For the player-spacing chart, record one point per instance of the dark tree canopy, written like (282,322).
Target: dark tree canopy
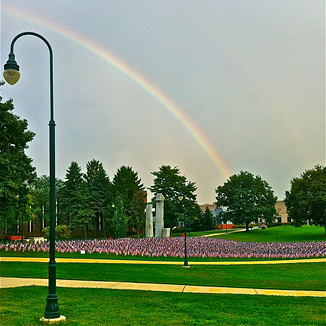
(99,189)
(246,198)
(171,184)
(125,183)
(16,169)
(306,201)
(207,221)
(119,221)
(39,191)
(76,199)
(138,205)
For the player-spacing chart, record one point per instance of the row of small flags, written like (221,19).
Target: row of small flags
(174,247)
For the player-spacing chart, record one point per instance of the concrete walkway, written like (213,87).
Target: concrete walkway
(226,232)
(9,282)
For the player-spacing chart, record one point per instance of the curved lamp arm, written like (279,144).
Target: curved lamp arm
(11,69)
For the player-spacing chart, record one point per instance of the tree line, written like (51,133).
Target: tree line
(94,204)
(91,202)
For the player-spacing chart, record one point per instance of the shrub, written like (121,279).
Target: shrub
(177,229)
(62,232)
(181,230)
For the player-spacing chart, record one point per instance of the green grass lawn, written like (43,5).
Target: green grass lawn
(25,306)
(84,307)
(286,233)
(95,255)
(307,276)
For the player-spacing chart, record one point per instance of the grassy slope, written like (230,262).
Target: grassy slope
(279,234)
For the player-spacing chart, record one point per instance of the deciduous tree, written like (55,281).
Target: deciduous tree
(39,191)
(247,199)
(16,169)
(306,201)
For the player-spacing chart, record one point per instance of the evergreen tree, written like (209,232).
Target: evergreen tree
(120,220)
(171,184)
(207,222)
(196,221)
(59,184)
(138,216)
(125,183)
(76,199)
(99,191)
(82,214)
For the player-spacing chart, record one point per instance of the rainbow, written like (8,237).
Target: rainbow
(131,73)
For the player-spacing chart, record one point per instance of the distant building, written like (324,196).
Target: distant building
(216,212)
(282,215)
(17,232)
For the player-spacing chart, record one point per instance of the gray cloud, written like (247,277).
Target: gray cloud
(249,74)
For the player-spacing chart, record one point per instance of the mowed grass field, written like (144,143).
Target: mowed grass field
(88,307)
(285,233)
(304,276)
(24,306)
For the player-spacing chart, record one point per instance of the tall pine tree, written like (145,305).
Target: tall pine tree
(125,183)
(120,220)
(99,188)
(76,200)
(171,184)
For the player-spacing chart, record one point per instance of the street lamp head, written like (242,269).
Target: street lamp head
(11,72)
(180,197)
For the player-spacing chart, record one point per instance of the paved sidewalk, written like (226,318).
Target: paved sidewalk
(10,282)
(226,232)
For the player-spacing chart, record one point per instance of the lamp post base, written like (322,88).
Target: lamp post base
(61,319)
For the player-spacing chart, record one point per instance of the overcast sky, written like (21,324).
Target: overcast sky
(212,87)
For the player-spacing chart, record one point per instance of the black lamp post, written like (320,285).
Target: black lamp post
(185,264)
(11,75)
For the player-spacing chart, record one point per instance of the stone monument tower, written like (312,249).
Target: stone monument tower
(149,221)
(159,215)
